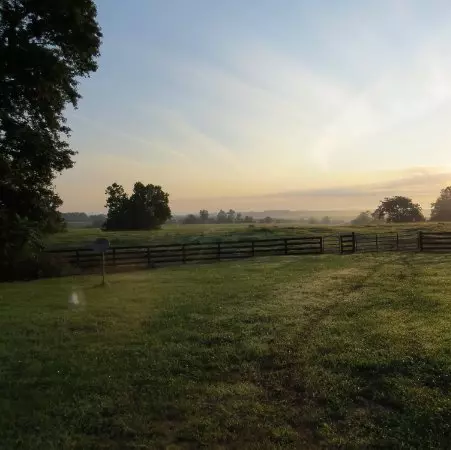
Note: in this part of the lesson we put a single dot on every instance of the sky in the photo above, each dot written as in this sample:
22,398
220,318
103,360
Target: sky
266,104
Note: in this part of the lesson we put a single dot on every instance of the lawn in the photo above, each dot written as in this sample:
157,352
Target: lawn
283,352
176,233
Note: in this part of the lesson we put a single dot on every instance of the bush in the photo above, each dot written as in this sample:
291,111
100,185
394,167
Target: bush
35,265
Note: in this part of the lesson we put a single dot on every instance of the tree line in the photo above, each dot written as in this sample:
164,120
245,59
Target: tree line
148,208
401,209
82,219
230,216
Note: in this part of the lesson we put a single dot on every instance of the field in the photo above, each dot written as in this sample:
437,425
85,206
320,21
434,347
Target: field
282,352
81,237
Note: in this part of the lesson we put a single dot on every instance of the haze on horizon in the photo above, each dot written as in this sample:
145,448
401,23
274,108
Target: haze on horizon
266,104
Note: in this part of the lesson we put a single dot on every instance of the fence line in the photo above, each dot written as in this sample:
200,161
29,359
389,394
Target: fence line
167,254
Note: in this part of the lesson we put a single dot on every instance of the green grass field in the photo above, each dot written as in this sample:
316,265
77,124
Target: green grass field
283,352
174,233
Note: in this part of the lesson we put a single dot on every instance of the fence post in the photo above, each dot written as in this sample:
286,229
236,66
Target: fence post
321,244
377,243
420,241
219,251
354,243
397,241
114,256
77,255
340,240
286,246
253,248
148,256
183,254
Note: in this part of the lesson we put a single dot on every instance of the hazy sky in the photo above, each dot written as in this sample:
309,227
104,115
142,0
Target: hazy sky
266,103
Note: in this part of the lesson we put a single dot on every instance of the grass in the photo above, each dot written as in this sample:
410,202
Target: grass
80,237
312,352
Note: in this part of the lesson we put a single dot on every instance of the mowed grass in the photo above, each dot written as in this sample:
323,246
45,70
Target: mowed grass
177,233
306,352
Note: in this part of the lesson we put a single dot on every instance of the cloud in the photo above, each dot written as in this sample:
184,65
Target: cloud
134,140
278,108
423,182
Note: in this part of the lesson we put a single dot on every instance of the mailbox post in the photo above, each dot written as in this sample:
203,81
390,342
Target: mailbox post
101,245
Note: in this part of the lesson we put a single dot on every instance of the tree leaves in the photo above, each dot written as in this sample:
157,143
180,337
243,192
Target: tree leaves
146,208
441,208
45,46
399,209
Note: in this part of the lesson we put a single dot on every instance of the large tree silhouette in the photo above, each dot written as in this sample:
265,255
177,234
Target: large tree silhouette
45,47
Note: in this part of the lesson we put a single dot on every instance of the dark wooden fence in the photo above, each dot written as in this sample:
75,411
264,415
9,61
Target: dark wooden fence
386,242
434,242
86,259
166,254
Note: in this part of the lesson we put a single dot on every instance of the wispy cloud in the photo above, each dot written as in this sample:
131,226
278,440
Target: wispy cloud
261,110
132,139
421,182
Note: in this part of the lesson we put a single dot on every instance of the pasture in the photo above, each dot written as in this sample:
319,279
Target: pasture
186,234
280,352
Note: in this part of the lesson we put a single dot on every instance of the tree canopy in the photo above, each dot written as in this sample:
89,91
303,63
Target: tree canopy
146,208
441,208
399,209
45,47
364,218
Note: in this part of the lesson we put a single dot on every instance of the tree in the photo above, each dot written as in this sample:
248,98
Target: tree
364,218
231,216
248,219
97,220
190,219
45,47
312,220
326,220
239,217
147,208
75,217
441,208
204,215
221,217
399,209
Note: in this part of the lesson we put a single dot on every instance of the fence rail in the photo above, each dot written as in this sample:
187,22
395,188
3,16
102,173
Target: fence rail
168,254
165,254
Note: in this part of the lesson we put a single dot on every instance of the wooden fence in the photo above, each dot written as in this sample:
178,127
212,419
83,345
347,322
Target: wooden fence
434,242
166,254
86,259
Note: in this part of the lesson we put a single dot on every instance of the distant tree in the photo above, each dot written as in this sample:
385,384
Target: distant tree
97,220
364,218
147,207
203,215
441,208
221,217
248,219
190,219
231,215
399,209
326,220
239,217
75,217
312,220
267,219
